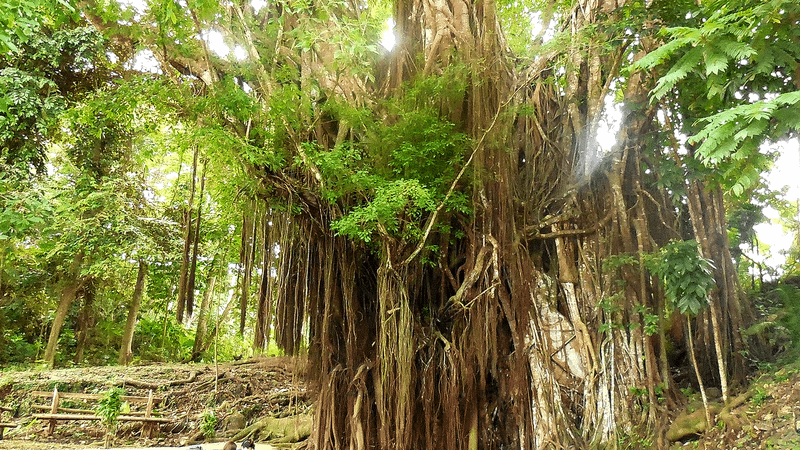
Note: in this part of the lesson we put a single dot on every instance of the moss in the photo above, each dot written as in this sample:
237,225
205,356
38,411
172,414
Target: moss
279,430
691,423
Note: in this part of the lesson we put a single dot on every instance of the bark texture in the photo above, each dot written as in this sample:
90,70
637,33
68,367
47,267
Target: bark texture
126,348
72,283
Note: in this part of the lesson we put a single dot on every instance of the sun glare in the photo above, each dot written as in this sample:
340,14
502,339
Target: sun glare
388,37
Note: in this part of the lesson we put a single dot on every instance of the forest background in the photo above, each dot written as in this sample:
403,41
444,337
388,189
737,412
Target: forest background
436,225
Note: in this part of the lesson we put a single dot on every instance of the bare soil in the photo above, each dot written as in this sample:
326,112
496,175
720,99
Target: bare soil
252,390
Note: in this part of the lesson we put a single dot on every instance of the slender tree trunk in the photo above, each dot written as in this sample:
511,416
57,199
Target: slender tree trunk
223,317
195,244
209,308
697,373
247,255
713,246
263,316
85,320
68,293
126,348
202,320
188,235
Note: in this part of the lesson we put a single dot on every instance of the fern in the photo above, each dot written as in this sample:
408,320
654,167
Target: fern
686,64
736,49
715,62
724,133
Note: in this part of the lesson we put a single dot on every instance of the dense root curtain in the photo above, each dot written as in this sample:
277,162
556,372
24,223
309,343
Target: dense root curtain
536,321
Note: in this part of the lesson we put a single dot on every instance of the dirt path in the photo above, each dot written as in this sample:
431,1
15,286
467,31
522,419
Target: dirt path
233,396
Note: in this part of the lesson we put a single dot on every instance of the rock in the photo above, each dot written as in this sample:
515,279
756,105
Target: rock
690,422
731,420
713,393
279,430
234,422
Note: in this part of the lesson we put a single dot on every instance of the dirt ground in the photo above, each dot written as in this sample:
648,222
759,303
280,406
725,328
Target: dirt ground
768,418
238,394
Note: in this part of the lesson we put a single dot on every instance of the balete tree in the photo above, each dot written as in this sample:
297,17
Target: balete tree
439,226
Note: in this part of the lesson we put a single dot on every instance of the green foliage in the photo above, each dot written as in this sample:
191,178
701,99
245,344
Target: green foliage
160,339
741,129
208,423
516,18
759,396
650,324
687,276
402,169
731,76
788,314
22,208
614,262
20,20
38,81
634,439
109,407
395,209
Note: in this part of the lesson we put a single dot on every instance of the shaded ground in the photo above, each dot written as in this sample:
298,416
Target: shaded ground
767,416
237,394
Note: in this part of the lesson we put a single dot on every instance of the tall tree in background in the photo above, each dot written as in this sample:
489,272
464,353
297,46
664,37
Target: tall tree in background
192,277
126,350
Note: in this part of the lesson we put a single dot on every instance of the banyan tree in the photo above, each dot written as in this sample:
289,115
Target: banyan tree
462,259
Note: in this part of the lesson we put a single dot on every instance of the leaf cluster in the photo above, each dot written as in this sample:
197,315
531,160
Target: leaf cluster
395,208
732,79
109,407
401,167
50,69
687,276
20,20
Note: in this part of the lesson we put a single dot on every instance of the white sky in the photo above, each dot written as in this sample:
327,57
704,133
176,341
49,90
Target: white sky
785,174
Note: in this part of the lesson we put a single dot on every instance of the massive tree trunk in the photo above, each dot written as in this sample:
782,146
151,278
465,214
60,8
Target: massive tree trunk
126,350
518,335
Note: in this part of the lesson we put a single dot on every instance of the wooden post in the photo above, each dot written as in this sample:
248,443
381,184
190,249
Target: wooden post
149,427
53,410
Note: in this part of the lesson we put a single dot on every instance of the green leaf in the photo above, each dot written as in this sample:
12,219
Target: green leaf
715,62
